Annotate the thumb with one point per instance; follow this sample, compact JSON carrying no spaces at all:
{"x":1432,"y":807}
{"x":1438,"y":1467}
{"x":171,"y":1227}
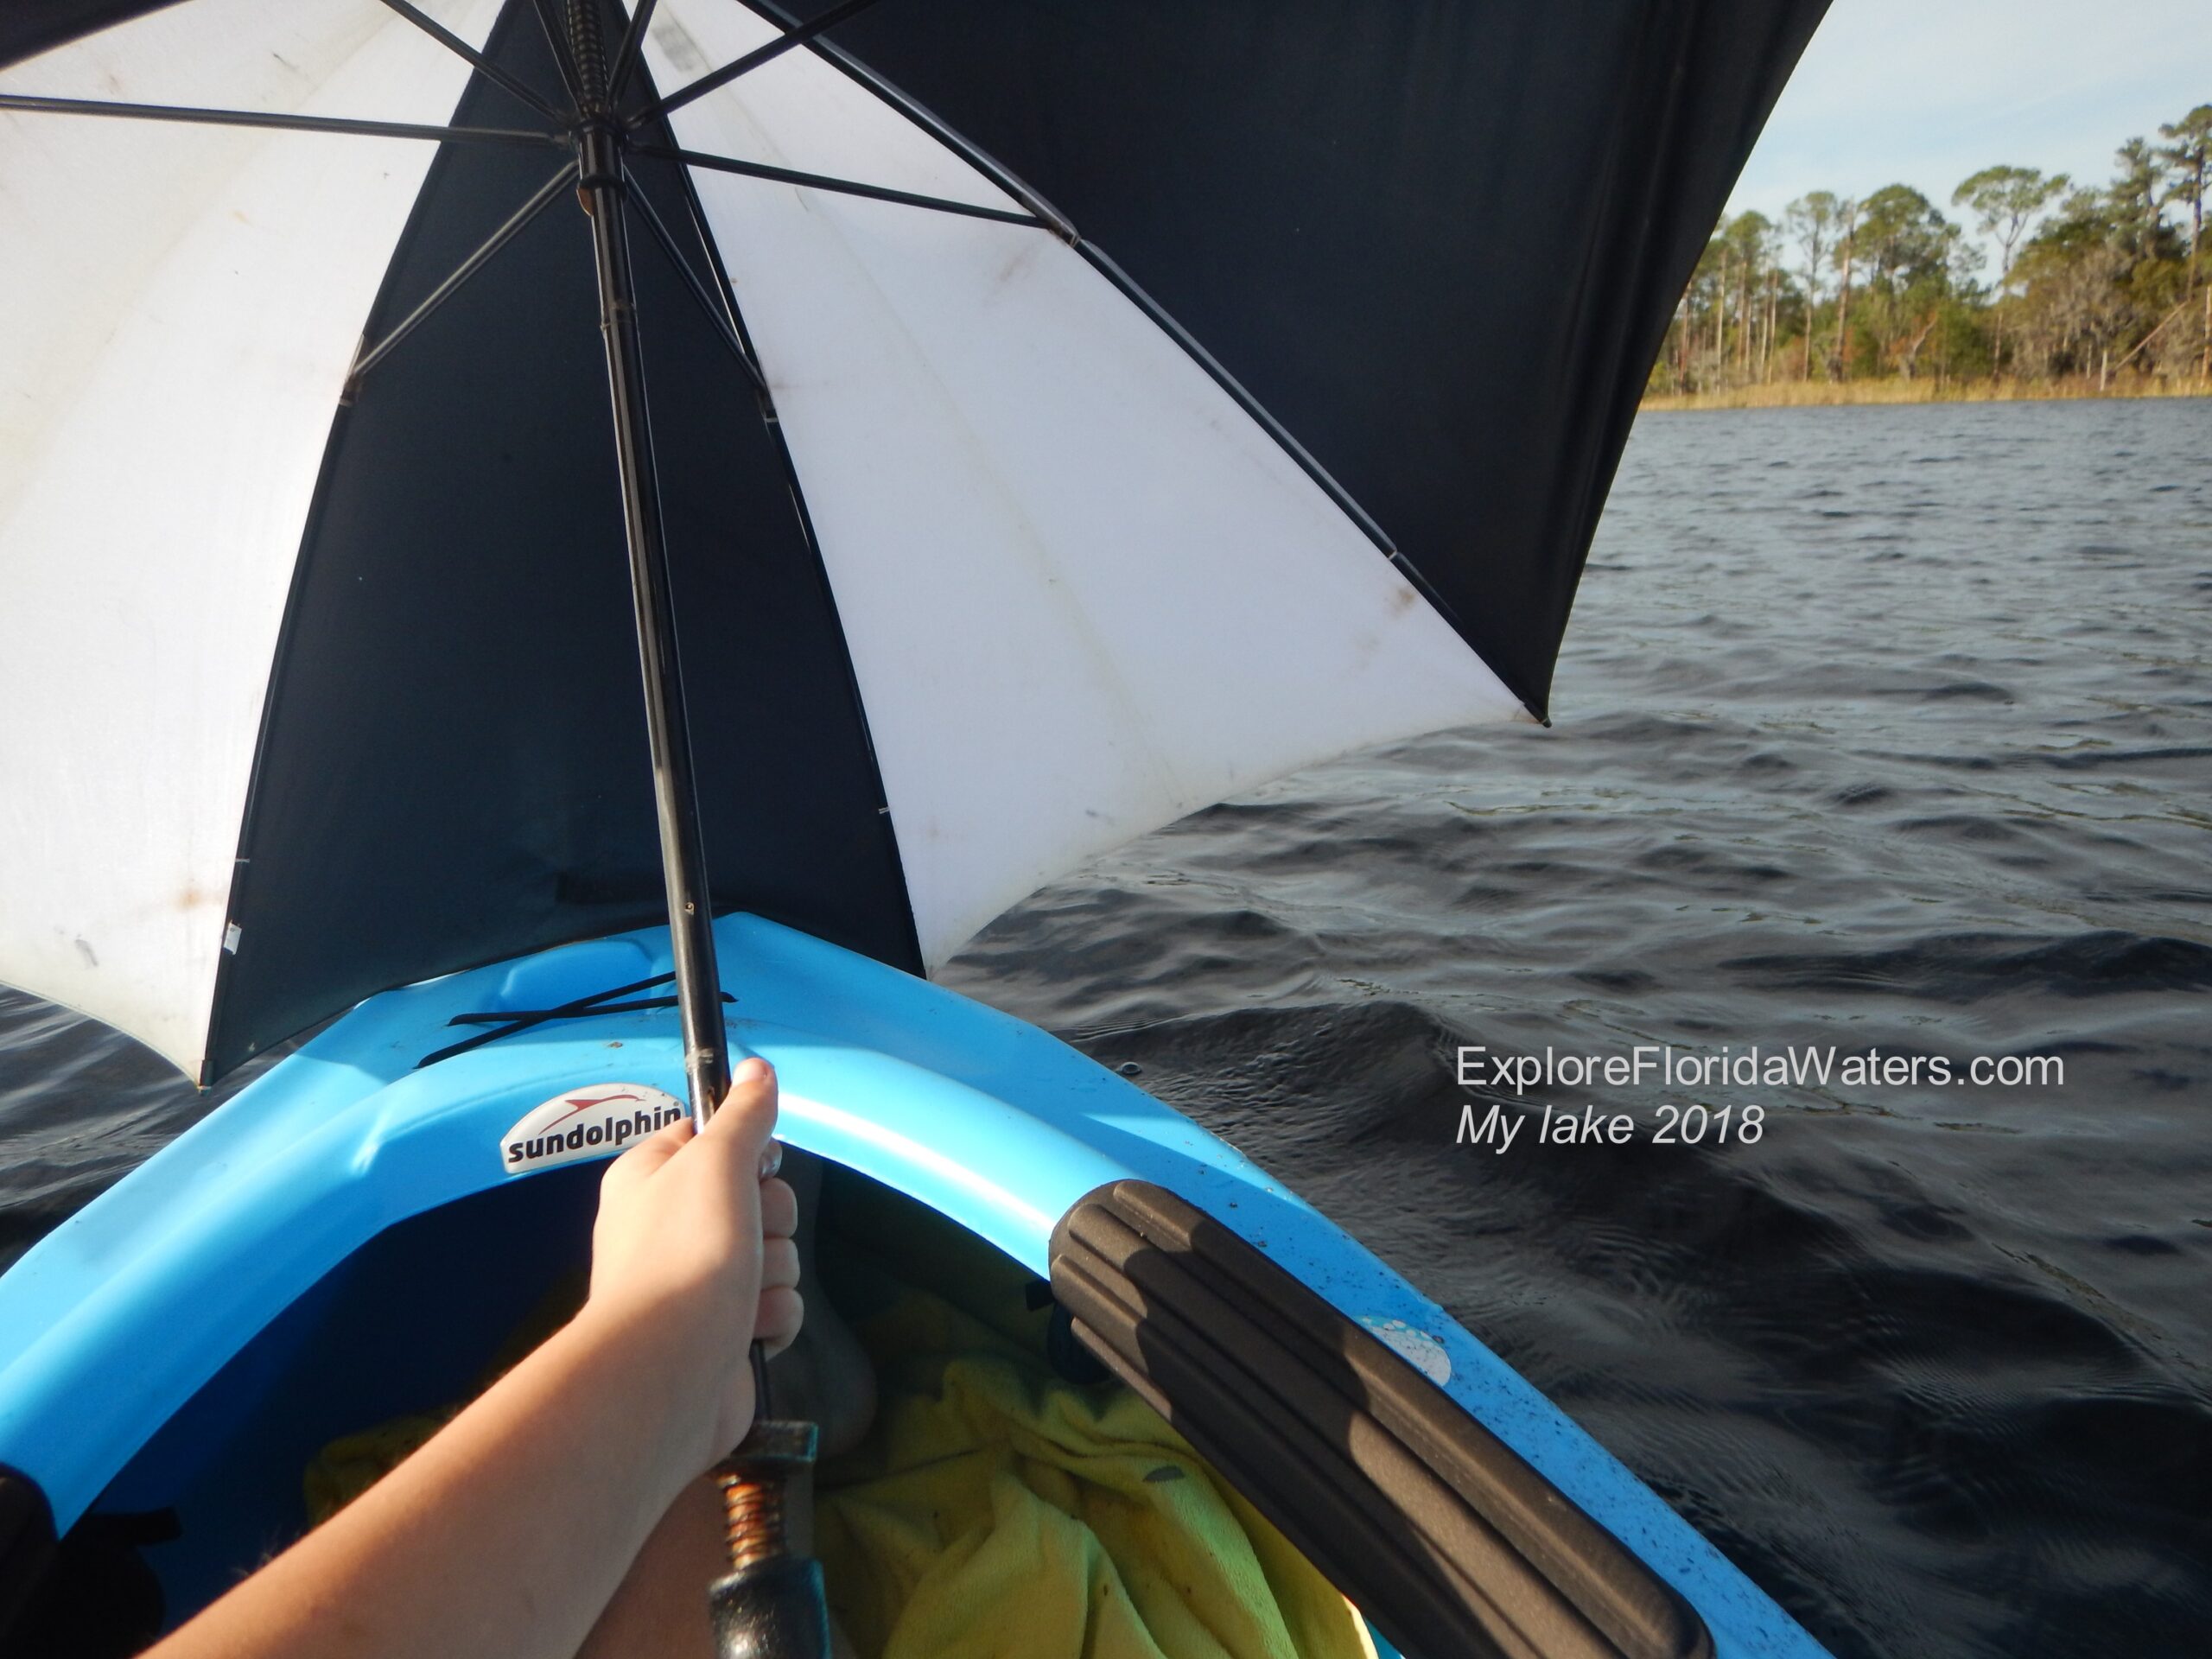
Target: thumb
{"x":742,"y":1128}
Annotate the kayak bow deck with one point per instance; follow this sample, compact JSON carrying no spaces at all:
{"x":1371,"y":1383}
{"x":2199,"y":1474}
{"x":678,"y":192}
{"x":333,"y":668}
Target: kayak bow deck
{"x":354,"y":1196}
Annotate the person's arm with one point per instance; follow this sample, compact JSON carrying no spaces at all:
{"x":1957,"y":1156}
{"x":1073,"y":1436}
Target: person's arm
{"x":509,"y":1531}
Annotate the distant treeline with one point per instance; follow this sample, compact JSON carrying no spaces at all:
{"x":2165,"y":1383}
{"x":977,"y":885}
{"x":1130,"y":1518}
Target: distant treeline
{"x":2094,"y":284}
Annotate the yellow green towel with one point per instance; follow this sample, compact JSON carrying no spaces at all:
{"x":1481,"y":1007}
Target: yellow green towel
{"x":996,"y":1511}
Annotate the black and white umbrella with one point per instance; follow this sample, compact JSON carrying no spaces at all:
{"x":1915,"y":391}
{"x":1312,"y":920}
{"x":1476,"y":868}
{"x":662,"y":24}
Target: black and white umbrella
{"x":1062,"y":414}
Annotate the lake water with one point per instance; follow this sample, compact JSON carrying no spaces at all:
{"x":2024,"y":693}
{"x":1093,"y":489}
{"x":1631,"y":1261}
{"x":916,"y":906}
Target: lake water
{"x":1883,"y":729}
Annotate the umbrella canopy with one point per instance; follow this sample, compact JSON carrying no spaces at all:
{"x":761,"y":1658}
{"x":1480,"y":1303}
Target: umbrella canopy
{"x":1065,"y":416}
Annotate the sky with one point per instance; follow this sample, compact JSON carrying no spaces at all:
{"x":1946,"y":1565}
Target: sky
{"x":1925,"y":93}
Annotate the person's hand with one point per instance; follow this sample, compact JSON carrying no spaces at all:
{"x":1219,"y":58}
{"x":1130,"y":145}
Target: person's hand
{"x":691,"y":1254}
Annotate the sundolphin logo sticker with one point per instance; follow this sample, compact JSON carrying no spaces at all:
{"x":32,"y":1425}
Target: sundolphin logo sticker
{"x":586,"y":1123}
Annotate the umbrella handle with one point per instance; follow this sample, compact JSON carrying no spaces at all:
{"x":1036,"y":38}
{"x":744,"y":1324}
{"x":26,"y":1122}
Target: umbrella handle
{"x":771,"y":1605}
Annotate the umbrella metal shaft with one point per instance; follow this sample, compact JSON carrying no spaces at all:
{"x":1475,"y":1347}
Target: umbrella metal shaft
{"x":771,"y":1605}
{"x":675,"y":801}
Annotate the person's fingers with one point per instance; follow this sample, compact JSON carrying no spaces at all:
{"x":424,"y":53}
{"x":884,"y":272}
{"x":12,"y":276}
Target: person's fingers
{"x":648,"y":1155}
{"x":779,"y":1209}
{"x":781,"y":1312}
{"x":778,"y":1264}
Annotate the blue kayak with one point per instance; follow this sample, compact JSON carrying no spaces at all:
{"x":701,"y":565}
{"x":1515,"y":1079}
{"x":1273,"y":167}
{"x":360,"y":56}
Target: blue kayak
{"x":350,"y":1235}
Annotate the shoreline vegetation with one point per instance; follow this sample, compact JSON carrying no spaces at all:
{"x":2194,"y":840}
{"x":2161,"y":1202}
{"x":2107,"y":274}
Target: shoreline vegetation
{"x":2099,"y":291}
{"x":1832,"y":394}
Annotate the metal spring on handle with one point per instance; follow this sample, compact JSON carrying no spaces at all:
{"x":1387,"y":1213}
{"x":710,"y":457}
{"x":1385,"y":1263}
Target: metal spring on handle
{"x":755,"y":1481}
{"x":753,"y":1528}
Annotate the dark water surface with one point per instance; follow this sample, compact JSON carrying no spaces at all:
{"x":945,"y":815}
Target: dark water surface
{"x":1883,"y":729}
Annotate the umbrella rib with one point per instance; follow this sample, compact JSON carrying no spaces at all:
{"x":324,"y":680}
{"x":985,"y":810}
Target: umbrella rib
{"x":843,"y":186}
{"x":547,"y":194}
{"x":191,"y":115}
{"x":693,"y":280}
{"x":557,"y":44}
{"x":633,"y":49}
{"x":772,"y":421}
{"x":854,"y":70}
{"x":722,"y":77}
{"x":492,"y":71}
{"x":1360,"y":518}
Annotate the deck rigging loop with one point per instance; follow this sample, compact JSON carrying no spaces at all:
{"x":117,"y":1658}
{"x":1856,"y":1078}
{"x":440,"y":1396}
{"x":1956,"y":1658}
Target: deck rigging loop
{"x":508,"y":1021}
